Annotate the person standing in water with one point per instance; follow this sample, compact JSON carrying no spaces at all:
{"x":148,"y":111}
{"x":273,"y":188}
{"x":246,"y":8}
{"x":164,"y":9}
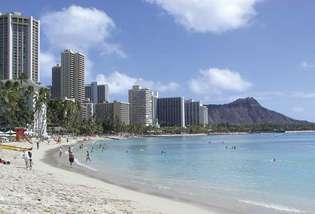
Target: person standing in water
{"x":71,"y":157}
{"x":88,"y":158}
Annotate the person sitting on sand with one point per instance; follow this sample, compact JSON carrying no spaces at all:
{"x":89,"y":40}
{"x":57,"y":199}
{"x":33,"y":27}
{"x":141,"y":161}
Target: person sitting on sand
{"x":71,"y":157}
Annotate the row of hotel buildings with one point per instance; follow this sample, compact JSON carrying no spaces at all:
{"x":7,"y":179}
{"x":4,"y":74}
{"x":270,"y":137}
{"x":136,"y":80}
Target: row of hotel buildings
{"x":145,"y":108}
{"x":20,"y":53}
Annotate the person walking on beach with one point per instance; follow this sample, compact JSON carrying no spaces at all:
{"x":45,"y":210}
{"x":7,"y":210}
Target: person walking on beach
{"x":25,"y":158}
{"x":37,"y":145}
{"x":30,"y":160}
{"x":71,"y":158}
{"x":69,"y":149}
{"x":60,"y":152}
{"x":88,"y":158}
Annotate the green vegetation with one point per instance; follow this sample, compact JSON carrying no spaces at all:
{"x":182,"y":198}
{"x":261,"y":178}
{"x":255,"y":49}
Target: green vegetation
{"x":16,"y":98}
{"x":15,"y":110}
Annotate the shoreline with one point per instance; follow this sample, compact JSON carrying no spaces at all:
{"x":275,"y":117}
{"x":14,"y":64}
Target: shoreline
{"x":148,"y":201}
{"x":220,"y":202}
{"x":51,"y":158}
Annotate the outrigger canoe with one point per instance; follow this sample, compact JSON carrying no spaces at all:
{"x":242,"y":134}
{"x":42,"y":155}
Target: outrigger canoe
{"x":14,"y":148}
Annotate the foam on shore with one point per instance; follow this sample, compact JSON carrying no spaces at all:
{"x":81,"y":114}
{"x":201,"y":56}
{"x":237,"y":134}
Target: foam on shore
{"x":276,"y":207}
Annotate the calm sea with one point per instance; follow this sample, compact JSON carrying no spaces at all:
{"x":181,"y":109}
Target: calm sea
{"x":264,"y":173}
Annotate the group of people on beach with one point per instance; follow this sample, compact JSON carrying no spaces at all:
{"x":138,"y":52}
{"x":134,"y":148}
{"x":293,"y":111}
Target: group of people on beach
{"x":71,"y":154}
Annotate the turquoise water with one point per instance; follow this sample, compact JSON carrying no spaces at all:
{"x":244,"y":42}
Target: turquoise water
{"x":207,"y":171}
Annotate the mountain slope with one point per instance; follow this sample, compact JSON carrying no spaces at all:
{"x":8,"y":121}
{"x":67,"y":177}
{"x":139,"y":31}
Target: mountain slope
{"x":247,"y":111}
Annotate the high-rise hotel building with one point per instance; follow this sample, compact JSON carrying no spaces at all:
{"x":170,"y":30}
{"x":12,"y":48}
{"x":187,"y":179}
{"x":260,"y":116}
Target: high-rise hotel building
{"x":19,"y":46}
{"x":72,"y":78}
{"x":56,"y":82}
{"x":195,"y":113}
{"x":141,"y":106}
{"x":96,"y":93}
{"x":171,"y":111}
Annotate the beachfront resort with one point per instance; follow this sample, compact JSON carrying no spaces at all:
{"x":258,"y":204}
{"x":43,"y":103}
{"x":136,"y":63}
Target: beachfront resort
{"x":148,"y":107}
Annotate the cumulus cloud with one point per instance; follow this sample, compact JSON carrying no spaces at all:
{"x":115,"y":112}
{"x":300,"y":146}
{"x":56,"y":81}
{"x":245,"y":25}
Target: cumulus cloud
{"x":119,"y":83}
{"x":88,"y":30}
{"x":215,"y":80}
{"x":214,"y":16}
{"x":80,"y":28}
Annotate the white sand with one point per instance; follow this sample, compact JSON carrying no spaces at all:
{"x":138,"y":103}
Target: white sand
{"x":47,"y":189}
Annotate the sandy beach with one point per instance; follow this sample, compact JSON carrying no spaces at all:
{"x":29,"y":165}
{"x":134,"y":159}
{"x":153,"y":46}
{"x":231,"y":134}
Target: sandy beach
{"x":48,"y":189}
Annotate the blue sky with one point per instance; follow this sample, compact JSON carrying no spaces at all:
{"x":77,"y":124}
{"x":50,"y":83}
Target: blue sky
{"x":213,"y":51}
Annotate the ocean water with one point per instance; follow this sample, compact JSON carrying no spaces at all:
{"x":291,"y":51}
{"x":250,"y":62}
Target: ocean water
{"x":266,"y":173}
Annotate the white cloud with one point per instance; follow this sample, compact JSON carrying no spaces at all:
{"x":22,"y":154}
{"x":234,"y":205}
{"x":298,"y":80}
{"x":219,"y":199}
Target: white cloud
{"x":88,"y":30}
{"x":215,"y":80}
{"x":209,"y":15}
{"x":80,"y":28}
{"x":307,"y":65}
{"x":47,"y":60}
{"x":119,"y":83}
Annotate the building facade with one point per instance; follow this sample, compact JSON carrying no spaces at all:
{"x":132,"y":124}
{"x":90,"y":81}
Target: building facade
{"x":56,"y":82}
{"x":97,"y":93}
{"x":72,"y":78}
{"x":195,"y":113}
{"x":203,"y":116}
{"x":87,"y":111}
{"x":102,"y":93}
{"x":19,"y":47}
{"x":155,"y":97}
{"x":115,"y":112}
{"x":171,"y":111}
{"x":141,"y":105}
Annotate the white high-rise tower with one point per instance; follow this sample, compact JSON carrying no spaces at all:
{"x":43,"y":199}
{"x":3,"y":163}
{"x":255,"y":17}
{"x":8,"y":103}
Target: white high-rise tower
{"x":19,"y":46}
{"x":72,"y":75}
